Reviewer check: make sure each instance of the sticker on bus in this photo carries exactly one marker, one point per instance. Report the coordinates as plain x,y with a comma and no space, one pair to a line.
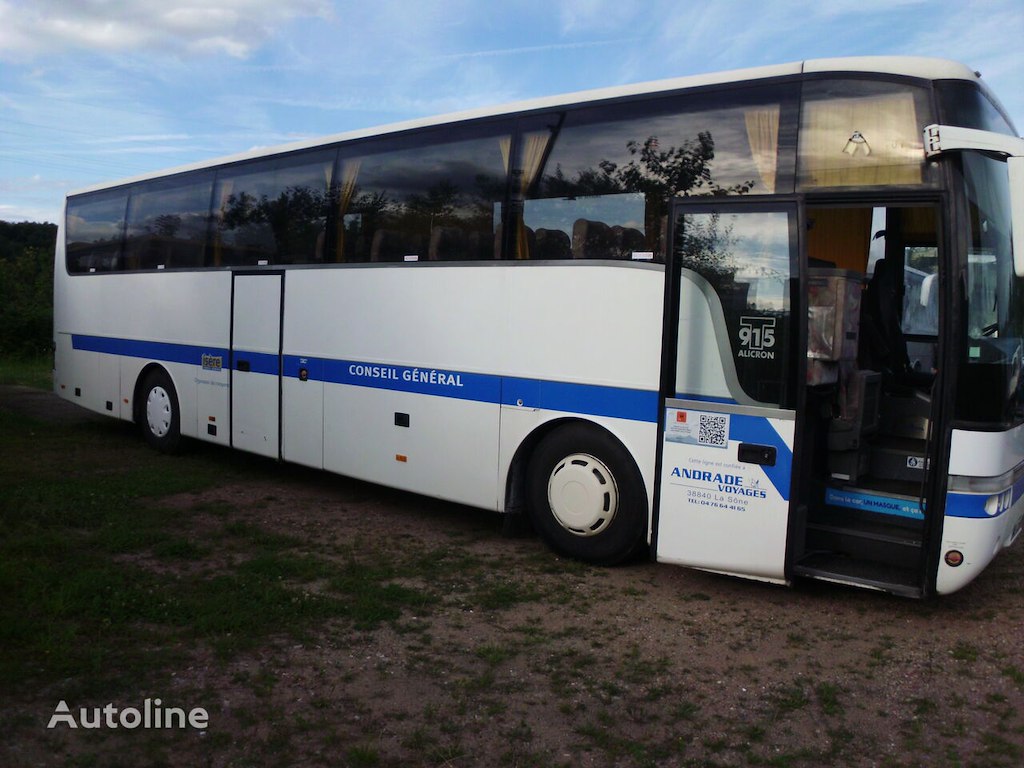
697,428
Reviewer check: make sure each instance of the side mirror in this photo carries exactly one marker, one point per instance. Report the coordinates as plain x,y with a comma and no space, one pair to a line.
1015,166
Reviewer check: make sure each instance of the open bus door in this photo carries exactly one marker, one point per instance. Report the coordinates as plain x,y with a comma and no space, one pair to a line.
796,435
729,386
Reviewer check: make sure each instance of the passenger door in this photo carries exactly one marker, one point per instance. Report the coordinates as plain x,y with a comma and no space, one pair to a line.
256,316
731,369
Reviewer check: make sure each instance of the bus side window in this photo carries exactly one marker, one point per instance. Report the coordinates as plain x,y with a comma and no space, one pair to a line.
606,175
273,211
424,197
95,231
167,223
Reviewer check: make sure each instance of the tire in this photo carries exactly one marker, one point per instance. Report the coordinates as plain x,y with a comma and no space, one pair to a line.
159,417
586,496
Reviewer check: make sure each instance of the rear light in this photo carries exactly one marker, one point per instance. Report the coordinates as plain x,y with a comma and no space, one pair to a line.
954,558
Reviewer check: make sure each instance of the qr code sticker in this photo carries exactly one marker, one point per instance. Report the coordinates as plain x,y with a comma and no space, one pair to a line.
714,430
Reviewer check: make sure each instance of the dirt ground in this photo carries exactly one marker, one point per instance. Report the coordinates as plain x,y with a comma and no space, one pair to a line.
526,659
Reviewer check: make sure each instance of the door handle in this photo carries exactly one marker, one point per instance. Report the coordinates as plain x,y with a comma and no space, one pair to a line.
243,365
752,453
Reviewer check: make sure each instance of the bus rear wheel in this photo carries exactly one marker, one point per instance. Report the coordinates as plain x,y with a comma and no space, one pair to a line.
586,495
159,417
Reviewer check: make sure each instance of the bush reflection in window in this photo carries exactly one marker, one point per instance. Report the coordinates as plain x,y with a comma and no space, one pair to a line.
747,259
273,212
599,185
439,201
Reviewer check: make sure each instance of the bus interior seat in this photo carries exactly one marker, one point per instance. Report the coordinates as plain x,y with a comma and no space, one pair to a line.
481,245
597,240
552,244
629,240
591,240
858,411
528,242
884,347
447,244
392,245
905,407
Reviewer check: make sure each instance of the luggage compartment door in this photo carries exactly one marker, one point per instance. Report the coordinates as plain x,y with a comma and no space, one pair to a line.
256,317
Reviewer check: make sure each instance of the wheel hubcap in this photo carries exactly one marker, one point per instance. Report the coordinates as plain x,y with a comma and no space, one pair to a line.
158,411
582,494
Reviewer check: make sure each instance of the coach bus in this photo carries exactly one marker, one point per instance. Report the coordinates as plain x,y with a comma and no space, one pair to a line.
765,323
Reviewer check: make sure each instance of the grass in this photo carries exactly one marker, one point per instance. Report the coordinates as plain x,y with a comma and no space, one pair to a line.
35,372
387,647
82,527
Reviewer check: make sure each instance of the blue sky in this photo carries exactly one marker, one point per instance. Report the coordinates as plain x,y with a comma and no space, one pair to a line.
96,90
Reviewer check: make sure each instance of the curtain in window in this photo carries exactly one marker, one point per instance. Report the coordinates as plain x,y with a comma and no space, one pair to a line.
763,134
347,188
860,141
225,188
533,147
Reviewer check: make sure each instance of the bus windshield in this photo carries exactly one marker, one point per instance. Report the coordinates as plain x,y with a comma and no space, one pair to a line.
990,381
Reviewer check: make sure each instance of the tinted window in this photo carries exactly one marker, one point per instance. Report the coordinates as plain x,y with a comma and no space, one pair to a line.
426,197
748,260
965,105
991,373
273,211
597,181
856,133
167,222
95,228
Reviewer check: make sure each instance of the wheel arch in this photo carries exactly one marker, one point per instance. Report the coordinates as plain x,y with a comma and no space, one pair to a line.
137,399
516,479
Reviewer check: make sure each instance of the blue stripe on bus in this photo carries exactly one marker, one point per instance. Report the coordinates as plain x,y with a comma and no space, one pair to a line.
593,399
151,350
460,385
966,505
590,399
756,429
972,505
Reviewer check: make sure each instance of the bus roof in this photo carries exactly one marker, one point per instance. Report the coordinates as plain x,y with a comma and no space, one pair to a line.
905,66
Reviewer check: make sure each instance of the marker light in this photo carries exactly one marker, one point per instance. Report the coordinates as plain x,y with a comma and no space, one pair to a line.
954,558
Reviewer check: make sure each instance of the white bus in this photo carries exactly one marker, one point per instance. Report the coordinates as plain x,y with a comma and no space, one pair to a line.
671,317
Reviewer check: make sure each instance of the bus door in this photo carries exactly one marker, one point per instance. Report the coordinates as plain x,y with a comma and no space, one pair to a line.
729,386
256,317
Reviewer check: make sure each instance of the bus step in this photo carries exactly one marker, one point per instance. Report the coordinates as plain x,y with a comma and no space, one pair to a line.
860,573
882,534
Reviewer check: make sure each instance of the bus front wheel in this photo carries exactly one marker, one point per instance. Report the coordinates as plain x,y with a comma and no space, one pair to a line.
586,495
159,417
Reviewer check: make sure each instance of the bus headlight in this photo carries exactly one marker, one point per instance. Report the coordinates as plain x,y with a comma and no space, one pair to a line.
999,503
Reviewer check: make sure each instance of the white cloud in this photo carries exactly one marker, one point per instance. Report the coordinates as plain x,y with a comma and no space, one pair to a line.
194,79
34,28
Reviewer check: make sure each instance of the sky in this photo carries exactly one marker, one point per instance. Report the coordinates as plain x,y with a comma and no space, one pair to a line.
97,90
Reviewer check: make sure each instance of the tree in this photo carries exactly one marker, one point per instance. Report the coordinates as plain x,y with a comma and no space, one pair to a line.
26,301
682,171
15,237
167,225
26,287
662,175
293,218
